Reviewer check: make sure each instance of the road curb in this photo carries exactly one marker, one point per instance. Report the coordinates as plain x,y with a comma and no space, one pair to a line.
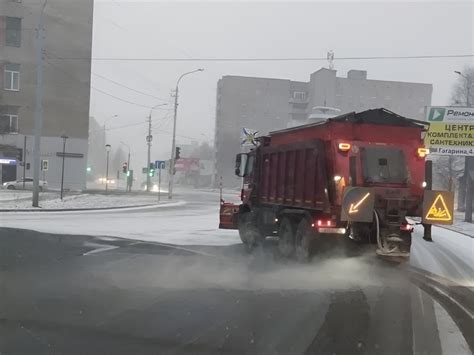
85,209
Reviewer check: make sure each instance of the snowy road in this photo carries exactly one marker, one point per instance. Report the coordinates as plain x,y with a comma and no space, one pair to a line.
195,223
202,293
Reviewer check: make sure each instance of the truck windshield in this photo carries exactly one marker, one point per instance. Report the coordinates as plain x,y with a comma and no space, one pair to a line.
384,165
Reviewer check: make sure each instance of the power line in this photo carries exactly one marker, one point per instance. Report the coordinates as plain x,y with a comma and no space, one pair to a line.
269,59
123,100
129,88
102,91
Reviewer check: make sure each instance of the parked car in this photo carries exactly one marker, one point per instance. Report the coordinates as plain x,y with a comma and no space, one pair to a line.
28,183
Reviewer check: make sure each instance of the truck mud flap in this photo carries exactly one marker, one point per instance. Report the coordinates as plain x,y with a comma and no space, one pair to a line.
228,216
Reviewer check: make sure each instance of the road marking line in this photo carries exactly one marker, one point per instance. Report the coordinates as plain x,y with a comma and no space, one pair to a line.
101,250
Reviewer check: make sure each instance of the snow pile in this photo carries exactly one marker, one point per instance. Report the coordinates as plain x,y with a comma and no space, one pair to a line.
77,201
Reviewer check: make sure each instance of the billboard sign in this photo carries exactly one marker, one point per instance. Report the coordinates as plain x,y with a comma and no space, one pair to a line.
451,130
450,114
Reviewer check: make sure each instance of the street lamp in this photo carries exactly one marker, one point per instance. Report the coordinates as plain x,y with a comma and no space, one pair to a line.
173,144
149,139
128,186
64,137
468,160
107,149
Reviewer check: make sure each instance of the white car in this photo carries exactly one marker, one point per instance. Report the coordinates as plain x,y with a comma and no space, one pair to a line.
18,184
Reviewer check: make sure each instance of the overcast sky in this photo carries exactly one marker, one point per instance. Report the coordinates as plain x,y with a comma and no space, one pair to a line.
241,29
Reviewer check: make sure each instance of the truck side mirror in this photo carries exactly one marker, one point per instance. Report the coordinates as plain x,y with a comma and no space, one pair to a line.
240,164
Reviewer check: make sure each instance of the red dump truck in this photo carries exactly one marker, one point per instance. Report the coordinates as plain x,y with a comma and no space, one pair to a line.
355,176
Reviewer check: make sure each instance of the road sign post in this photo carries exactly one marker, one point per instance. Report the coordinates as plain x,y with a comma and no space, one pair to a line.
159,185
160,165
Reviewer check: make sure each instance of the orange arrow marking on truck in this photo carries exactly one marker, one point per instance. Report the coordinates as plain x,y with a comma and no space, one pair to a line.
355,208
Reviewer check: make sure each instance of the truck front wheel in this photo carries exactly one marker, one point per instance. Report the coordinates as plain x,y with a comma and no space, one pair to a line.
286,238
248,230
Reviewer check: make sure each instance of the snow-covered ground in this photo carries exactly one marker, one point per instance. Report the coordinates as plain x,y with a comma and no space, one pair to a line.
50,200
450,255
175,223
461,226
196,223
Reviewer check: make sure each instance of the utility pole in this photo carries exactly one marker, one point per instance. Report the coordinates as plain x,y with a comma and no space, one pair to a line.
64,137
38,107
173,145
149,139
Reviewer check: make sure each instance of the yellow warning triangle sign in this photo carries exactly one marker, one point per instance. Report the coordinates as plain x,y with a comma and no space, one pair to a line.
438,210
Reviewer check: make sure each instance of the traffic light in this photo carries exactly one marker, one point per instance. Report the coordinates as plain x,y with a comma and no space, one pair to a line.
125,167
88,169
151,169
177,153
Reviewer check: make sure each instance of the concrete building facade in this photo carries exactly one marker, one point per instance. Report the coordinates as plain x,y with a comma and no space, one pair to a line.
268,104
66,88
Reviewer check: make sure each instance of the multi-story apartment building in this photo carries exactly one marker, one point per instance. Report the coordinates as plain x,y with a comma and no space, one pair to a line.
66,88
270,104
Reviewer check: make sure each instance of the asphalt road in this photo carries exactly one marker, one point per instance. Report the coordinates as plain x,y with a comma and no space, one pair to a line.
90,295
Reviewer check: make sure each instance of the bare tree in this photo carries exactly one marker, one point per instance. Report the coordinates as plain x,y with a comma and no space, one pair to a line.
463,95
459,95
447,171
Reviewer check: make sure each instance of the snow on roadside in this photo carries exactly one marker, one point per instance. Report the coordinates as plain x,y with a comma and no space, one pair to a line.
461,226
79,201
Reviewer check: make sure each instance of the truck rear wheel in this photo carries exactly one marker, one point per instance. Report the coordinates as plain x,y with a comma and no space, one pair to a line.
304,240
286,237
248,230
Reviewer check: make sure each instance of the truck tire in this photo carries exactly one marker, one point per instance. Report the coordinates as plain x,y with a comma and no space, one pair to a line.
286,238
248,230
305,238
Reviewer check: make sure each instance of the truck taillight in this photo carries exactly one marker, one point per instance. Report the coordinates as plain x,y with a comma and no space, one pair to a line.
323,223
423,152
344,147
406,227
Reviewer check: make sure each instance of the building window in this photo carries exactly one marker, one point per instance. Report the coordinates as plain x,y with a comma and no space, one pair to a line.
12,77
13,32
299,95
8,123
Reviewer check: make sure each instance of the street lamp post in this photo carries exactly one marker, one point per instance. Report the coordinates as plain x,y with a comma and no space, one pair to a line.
173,144
149,139
107,148
128,165
38,107
64,137
468,160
